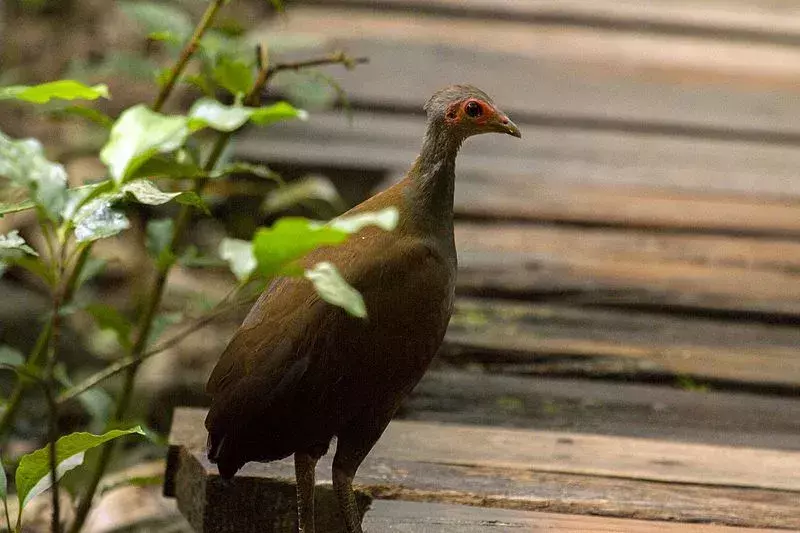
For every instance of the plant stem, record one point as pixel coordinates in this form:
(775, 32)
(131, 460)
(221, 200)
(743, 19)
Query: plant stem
(266, 74)
(187, 53)
(126, 362)
(8, 516)
(137, 354)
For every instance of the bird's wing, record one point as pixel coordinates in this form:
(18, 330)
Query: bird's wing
(268, 338)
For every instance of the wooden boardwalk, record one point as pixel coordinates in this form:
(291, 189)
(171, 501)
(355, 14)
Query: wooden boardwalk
(626, 347)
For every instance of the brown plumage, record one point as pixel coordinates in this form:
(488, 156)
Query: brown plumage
(299, 371)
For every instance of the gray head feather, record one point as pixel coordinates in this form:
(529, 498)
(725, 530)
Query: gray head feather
(437, 105)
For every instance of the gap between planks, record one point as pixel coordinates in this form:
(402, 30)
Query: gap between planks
(546, 336)
(671, 84)
(501, 468)
(729, 19)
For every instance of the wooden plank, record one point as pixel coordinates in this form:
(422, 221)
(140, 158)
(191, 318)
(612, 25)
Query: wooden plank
(411, 517)
(723, 19)
(577, 76)
(546, 156)
(534, 200)
(621, 409)
(630, 268)
(595, 455)
(566, 339)
(460, 478)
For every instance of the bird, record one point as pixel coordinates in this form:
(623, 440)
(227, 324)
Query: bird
(299, 371)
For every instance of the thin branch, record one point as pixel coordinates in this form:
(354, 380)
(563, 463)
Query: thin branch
(187, 53)
(266, 74)
(129, 361)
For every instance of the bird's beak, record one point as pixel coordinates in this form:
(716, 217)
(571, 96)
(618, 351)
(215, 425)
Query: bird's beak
(503, 124)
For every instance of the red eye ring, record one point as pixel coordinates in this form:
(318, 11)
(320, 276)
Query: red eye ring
(473, 109)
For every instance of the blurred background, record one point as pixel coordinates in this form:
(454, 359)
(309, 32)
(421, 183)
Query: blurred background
(629, 267)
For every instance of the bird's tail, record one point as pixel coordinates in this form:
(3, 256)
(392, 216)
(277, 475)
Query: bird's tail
(219, 454)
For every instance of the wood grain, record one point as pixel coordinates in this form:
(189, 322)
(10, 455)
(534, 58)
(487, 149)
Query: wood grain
(620, 79)
(408, 517)
(610, 408)
(721, 19)
(563, 339)
(474, 477)
(547, 157)
(630, 267)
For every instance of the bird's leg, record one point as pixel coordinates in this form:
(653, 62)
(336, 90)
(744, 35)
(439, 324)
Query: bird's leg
(343, 487)
(352, 446)
(304, 472)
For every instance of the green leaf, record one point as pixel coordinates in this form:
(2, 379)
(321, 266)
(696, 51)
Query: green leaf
(11, 243)
(235, 76)
(386, 219)
(139, 134)
(98, 220)
(147, 193)
(24, 163)
(93, 115)
(264, 116)
(108, 318)
(96, 402)
(221, 117)
(315, 188)
(92, 268)
(332, 288)
(240, 257)
(62, 89)
(11, 356)
(33, 472)
(7, 209)
(174, 166)
(238, 167)
(200, 82)
(288, 240)
(159, 18)
(159, 236)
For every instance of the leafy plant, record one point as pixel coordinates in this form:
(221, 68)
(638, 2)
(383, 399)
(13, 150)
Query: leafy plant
(152, 159)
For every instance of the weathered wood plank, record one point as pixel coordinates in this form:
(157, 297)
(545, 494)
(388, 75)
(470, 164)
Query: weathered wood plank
(555, 338)
(581, 76)
(477, 477)
(725, 19)
(630, 267)
(545, 157)
(621, 409)
(535, 200)
(595, 455)
(409, 517)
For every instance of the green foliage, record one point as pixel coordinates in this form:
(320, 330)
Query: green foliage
(240, 257)
(24, 163)
(33, 472)
(10, 356)
(12, 243)
(108, 318)
(290, 239)
(221, 117)
(234, 75)
(159, 20)
(152, 159)
(62, 89)
(332, 288)
(138, 135)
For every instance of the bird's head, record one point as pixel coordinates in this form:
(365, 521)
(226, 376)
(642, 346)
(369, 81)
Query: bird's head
(468, 111)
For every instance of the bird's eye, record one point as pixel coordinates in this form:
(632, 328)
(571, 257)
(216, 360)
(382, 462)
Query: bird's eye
(473, 109)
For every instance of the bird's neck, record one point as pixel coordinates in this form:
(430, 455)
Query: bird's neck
(432, 181)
